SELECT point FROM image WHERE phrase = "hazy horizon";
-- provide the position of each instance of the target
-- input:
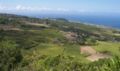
(60, 6)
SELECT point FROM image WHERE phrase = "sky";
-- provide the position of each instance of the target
(60, 6)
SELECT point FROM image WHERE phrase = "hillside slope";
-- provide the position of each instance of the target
(33, 44)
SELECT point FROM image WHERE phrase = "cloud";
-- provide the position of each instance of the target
(20, 7)
(30, 8)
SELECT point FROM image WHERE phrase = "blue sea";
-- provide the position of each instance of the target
(109, 20)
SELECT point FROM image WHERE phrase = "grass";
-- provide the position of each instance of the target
(117, 34)
(112, 47)
(36, 24)
(74, 51)
(53, 50)
(50, 49)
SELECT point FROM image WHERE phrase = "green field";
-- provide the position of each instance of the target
(111, 47)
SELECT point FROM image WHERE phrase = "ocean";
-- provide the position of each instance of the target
(112, 21)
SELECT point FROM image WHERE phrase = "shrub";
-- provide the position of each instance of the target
(10, 55)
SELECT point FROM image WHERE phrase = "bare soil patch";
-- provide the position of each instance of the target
(93, 55)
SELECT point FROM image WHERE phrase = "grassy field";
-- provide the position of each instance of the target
(110, 47)
(52, 50)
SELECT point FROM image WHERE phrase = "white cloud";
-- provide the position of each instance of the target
(20, 7)
(30, 8)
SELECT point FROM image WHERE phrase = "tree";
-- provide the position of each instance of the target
(90, 41)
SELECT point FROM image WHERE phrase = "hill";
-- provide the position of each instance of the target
(36, 44)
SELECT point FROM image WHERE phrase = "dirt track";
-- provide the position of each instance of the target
(93, 55)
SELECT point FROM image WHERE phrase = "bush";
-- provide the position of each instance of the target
(10, 55)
